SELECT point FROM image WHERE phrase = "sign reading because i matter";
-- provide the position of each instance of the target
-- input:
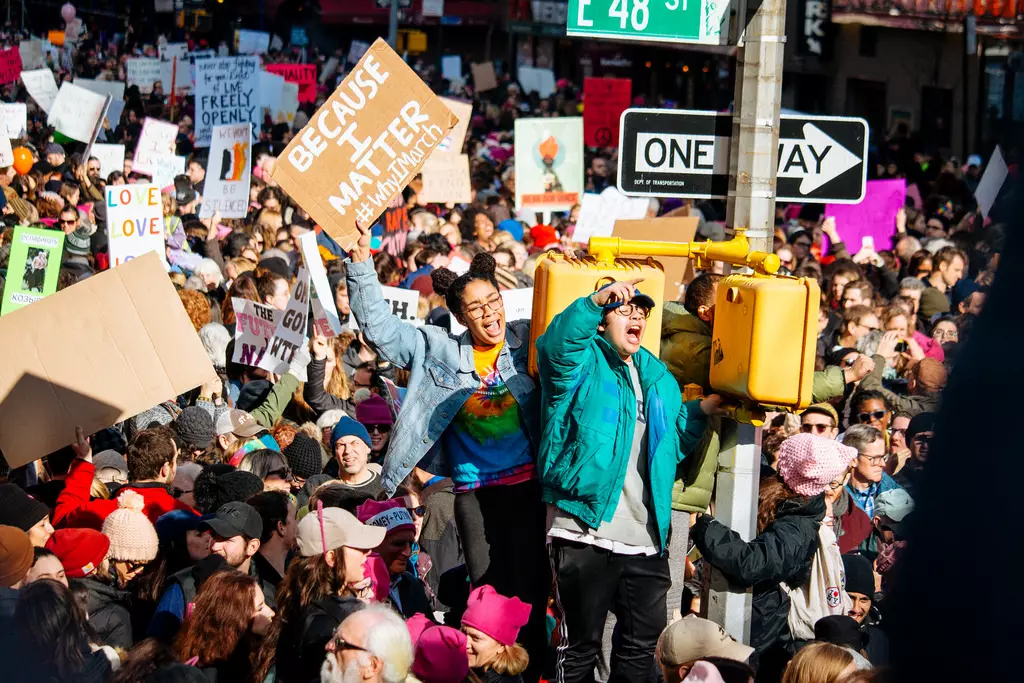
(227, 92)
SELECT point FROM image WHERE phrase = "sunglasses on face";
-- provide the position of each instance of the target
(64, 221)
(865, 417)
(417, 511)
(283, 473)
(383, 429)
(340, 644)
(807, 428)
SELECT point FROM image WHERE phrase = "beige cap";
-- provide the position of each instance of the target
(340, 528)
(693, 638)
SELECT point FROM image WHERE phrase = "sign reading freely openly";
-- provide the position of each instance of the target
(227, 92)
(290, 332)
(77, 112)
(254, 326)
(10, 65)
(363, 146)
(604, 100)
(134, 222)
(686, 154)
(673, 21)
(158, 138)
(302, 74)
(41, 86)
(228, 172)
(15, 119)
(549, 163)
(446, 179)
(33, 266)
(325, 312)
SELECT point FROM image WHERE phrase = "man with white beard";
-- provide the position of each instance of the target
(370, 646)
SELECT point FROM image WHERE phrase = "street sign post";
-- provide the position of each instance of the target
(673, 21)
(679, 153)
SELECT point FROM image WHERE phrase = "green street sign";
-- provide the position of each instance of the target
(670, 21)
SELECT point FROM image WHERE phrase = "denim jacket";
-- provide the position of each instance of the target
(442, 376)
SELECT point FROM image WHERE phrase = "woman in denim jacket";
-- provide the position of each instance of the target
(471, 412)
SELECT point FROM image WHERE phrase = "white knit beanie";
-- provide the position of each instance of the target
(132, 536)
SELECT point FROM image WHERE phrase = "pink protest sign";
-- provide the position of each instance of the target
(874, 216)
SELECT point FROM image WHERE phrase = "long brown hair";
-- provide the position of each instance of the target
(773, 492)
(221, 619)
(244, 287)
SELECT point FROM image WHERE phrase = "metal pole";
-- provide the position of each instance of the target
(393, 25)
(753, 165)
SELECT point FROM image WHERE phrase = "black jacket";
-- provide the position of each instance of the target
(300, 648)
(110, 613)
(492, 676)
(318, 399)
(781, 553)
(412, 597)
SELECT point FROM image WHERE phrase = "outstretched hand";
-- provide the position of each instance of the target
(361, 250)
(81, 446)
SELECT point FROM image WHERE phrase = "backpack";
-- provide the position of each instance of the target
(824, 594)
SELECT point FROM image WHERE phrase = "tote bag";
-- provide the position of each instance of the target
(824, 594)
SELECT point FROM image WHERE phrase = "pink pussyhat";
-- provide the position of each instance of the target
(494, 614)
(808, 463)
(440, 656)
(390, 514)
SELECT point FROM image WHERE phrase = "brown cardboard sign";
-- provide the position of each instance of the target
(363, 146)
(92, 355)
(484, 78)
(446, 179)
(678, 270)
(453, 142)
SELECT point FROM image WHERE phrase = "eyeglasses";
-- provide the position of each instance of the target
(627, 310)
(876, 459)
(383, 429)
(835, 485)
(847, 363)
(417, 511)
(64, 221)
(495, 303)
(864, 417)
(178, 493)
(134, 565)
(340, 644)
(807, 428)
(283, 473)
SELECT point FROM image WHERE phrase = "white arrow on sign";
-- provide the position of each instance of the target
(816, 159)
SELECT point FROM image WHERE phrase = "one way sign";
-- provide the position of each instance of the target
(678, 153)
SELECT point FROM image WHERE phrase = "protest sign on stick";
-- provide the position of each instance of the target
(76, 112)
(41, 86)
(32, 268)
(15, 119)
(302, 74)
(228, 172)
(290, 333)
(364, 145)
(158, 138)
(135, 222)
(446, 179)
(227, 92)
(325, 313)
(254, 326)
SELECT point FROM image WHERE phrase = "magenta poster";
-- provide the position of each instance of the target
(875, 216)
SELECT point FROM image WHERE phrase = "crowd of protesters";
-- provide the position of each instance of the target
(421, 507)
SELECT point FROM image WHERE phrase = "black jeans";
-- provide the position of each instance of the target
(591, 582)
(502, 529)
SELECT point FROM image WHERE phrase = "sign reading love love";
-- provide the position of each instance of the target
(134, 222)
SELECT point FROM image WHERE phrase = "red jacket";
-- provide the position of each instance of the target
(74, 509)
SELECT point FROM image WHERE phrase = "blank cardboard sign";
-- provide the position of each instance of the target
(92, 355)
(678, 270)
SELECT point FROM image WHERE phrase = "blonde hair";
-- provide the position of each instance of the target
(818, 663)
(511, 661)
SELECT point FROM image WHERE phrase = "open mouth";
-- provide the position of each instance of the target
(492, 328)
(634, 333)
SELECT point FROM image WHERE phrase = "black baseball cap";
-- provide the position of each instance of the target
(234, 519)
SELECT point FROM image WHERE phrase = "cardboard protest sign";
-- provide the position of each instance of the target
(228, 172)
(302, 74)
(484, 78)
(549, 163)
(991, 182)
(111, 158)
(874, 216)
(364, 145)
(144, 72)
(446, 179)
(356, 51)
(113, 88)
(77, 112)
(404, 304)
(227, 92)
(33, 267)
(598, 213)
(254, 326)
(540, 81)
(31, 54)
(604, 100)
(15, 119)
(135, 347)
(453, 142)
(290, 332)
(518, 306)
(166, 167)
(325, 312)
(678, 270)
(251, 42)
(41, 86)
(270, 90)
(158, 138)
(10, 65)
(135, 222)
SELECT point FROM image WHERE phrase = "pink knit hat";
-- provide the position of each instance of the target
(374, 411)
(494, 614)
(390, 514)
(808, 463)
(441, 656)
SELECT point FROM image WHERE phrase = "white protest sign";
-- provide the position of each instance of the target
(6, 152)
(157, 139)
(181, 73)
(404, 304)
(254, 326)
(270, 90)
(325, 313)
(166, 167)
(113, 88)
(357, 50)
(144, 72)
(228, 172)
(171, 50)
(15, 119)
(451, 68)
(287, 105)
(518, 306)
(41, 86)
(251, 42)
(598, 213)
(31, 54)
(76, 112)
(446, 179)
(290, 332)
(227, 92)
(111, 158)
(991, 182)
(134, 222)
(541, 81)
(330, 67)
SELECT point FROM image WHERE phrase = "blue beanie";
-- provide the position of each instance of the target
(348, 427)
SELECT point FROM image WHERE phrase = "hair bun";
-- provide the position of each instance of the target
(483, 264)
(442, 280)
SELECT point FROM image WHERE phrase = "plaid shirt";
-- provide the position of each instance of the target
(865, 499)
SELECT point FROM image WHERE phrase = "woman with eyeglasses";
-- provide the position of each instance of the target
(472, 411)
(270, 466)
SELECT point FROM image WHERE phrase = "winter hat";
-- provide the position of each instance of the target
(808, 463)
(440, 654)
(253, 394)
(417, 624)
(840, 629)
(212, 491)
(304, 456)
(195, 428)
(348, 427)
(81, 551)
(374, 411)
(390, 514)
(173, 526)
(18, 509)
(859, 576)
(494, 614)
(79, 242)
(157, 416)
(543, 236)
(922, 422)
(132, 536)
(16, 555)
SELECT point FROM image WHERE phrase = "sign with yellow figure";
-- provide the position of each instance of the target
(549, 163)
(228, 172)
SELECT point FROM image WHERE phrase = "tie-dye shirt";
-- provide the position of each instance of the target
(486, 443)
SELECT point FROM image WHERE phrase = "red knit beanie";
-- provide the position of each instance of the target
(81, 551)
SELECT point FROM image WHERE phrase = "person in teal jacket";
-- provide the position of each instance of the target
(614, 430)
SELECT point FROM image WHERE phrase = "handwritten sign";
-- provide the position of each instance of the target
(302, 74)
(157, 139)
(10, 65)
(33, 267)
(227, 92)
(228, 172)
(446, 179)
(251, 42)
(290, 332)
(113, 88)
(15, 119)
(111, 158)
(144, 72)
(364, 145)
(76, 112)
(134, 222)
(41, 86)
(287, 105)
(254, 326)
(604, 100)
(325, 313)
(31, 54)
(166, 167)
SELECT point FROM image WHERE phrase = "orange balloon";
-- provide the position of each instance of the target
(22, 160)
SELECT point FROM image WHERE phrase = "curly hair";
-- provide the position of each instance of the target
(451, 286)
(49, 204)
(772, 493)
(197, 306)
(221, 619)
